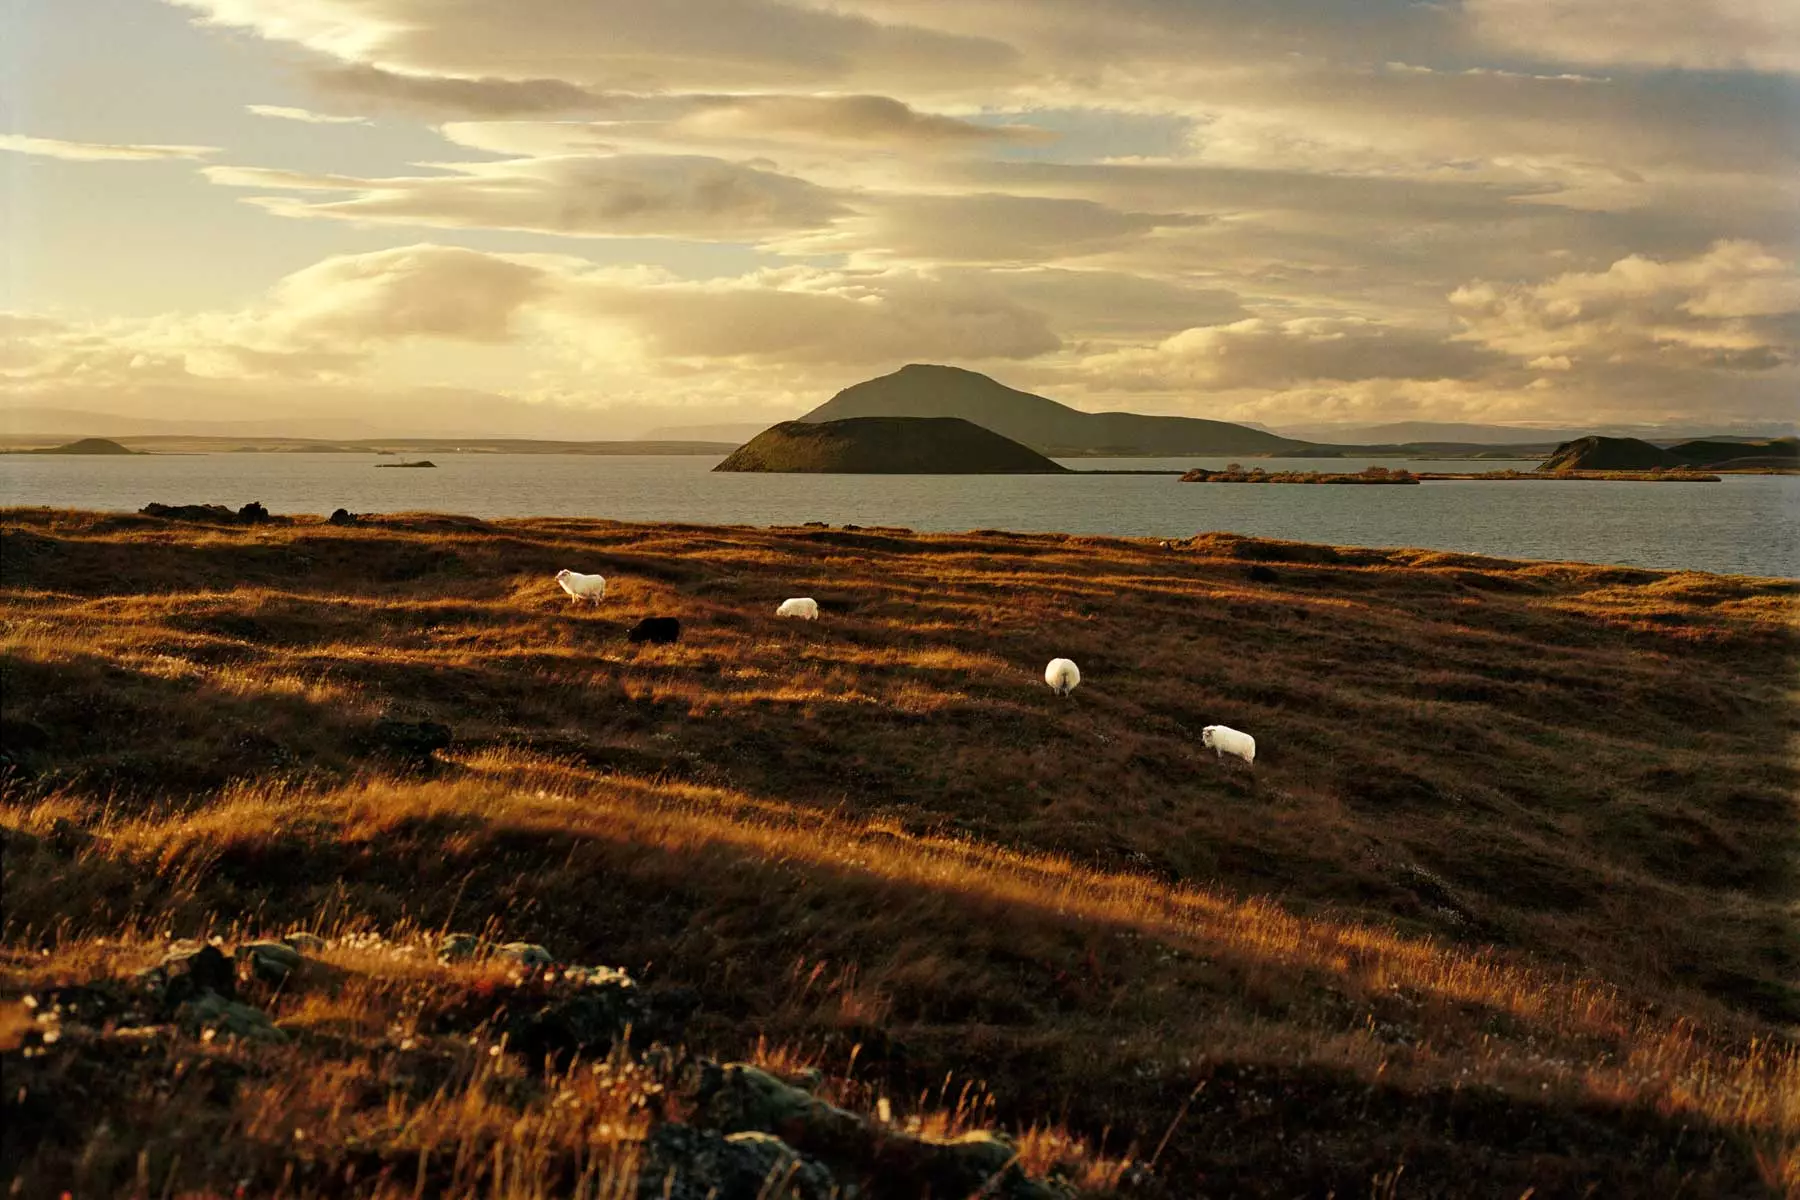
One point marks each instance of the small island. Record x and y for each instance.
(423, 462)
(1236, 474)
(92, 445)
(888, 446)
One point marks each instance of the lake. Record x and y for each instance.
(1747, 524)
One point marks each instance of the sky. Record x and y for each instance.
(590, 218)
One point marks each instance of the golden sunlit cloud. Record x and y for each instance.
(98, 151)
(284, 113)
(1289, 212)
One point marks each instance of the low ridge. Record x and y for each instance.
(887, 446)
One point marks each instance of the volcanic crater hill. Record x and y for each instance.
(927, 390)
(1507, 902)
(887, 446)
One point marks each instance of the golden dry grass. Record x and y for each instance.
(1508, 897)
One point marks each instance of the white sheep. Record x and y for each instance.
(1062, 676)
(582, 587)
(1223, 740)
(804, 607)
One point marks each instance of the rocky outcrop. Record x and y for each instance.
(252, 513)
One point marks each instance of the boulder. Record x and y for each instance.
(190, 970)
(342, 516)
(301, 940)
(587, 1023)
(457, 947)
(683, 1163)
(741, 1098)
(526, 954)
(214, 1012)
(269, 962)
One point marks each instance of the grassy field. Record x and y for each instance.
(1507, 905)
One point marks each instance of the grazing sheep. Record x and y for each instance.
(1062, 676)
(1223, 740)
(581, 587)
(658, 631)
(804, 607)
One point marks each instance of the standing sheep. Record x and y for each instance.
(803, 607)
(582, 587)
(1062, 676)
(1223, 740)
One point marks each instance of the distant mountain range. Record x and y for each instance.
(920, 390)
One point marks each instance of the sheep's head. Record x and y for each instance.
(1206, 735)
(564, 573)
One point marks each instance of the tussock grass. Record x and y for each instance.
(1510, 891)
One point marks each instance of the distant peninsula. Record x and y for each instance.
(888, 446)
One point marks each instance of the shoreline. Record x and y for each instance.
(418, 519)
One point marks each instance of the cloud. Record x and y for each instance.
(626, 195)
(1261, 353)
(1735, 307)
(802, 316)
(282, 113)
(854, 119)
(1762, 35)
(673, 45)
(331, 320)
(99, 151)
(984, 227)
(480, 97)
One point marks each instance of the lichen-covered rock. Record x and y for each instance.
(587, 1023)
(269, 962)
(458, 947)
(188, 971)
(303, 941)
(526, 954)
(741, 1098)
(214, 1012)
(682, 1163)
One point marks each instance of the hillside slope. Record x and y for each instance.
(922, 390)
(887, 446)
(1596, 453)
(1506, 903)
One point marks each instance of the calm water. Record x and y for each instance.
(1746, 524)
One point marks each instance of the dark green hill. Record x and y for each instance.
(1597, 453)
(887, 446)
(88, 446)
(920, 390)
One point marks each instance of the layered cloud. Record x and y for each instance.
(98, 151)
(1288, 211)
(619, 195)
(304, 115)
(1735, 307)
